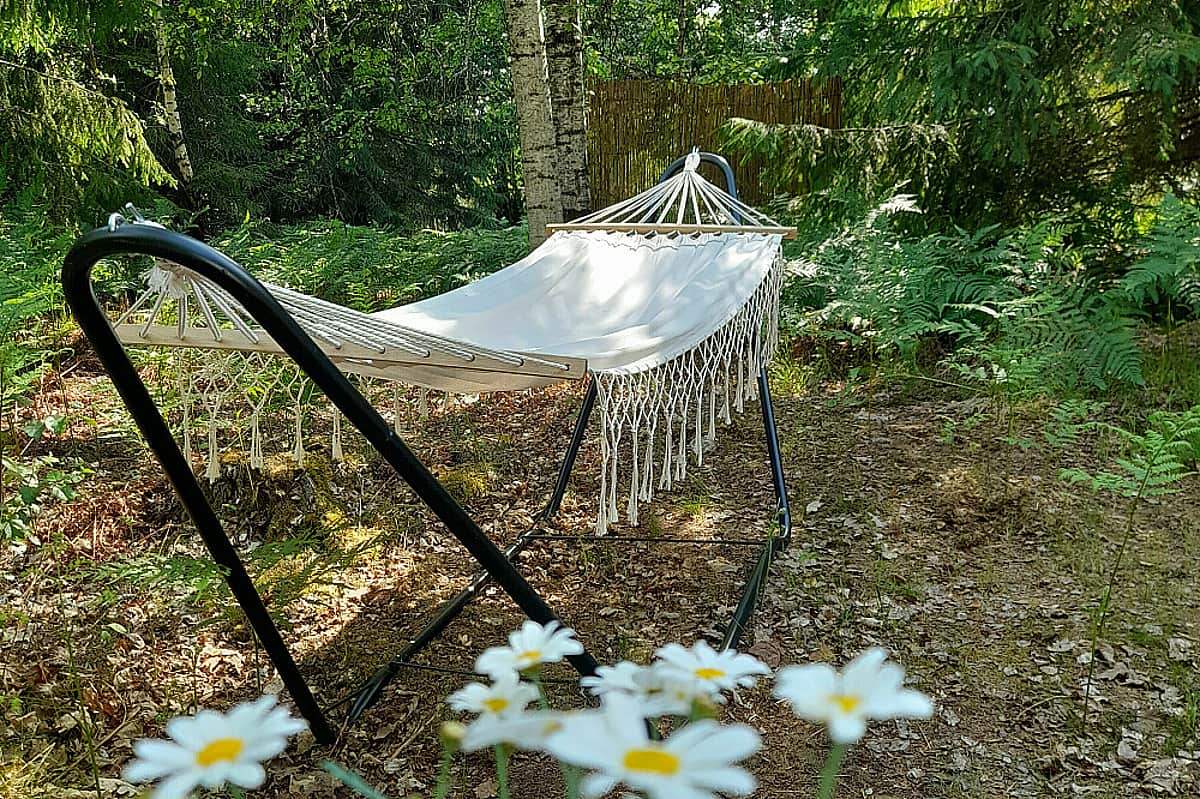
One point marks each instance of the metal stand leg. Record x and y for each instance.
(783, 518)
(370, 692)
(568, 463)
(258, 302)
(158, 436)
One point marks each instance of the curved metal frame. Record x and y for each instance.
(145, 239)
(708, 158)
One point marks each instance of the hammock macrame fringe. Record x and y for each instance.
(651, 421)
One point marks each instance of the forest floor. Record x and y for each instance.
(926, 523)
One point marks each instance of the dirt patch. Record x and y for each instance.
(920, 526)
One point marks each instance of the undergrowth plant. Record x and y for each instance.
(1154, 463)
(1028, 310)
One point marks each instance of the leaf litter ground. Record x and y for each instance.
(917, 528)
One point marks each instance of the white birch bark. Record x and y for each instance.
(166, 77)
(568, 94)
(535, 119)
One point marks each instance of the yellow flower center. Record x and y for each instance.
(709, 673)
(653, 761)
(218, 750)
(846, 702)
(531, 656)
(495, 704)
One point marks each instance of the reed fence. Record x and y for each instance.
(636, 128)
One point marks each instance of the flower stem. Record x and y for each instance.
(236, 792)
(543, 701)
(351, 780)
(829, 774)
(502, 771)
(443, 783)
(570, 780)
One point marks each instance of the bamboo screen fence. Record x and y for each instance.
(636, 128)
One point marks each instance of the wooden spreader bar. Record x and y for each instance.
(664, 228)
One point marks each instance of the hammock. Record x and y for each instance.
(668, 299)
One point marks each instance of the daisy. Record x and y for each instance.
(694, 763)
(521, 730)
(868, 688)
(506, 696)
(722, 671)
(670, 692)
(528, 648)
(621, 677)
(211, 748)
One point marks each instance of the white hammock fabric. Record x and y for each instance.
(673, 327)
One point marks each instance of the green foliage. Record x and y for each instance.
(367, 268)
(688, 40)
(1156, 460)
(994, 111)
(1014, 306)
(392, 113)
(1170, 268)
(27, 485)
(64, 131)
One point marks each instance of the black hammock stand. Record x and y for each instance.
(143, 238)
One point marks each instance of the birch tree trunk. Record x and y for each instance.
(166, 77)
(568, 94)
(535, 119)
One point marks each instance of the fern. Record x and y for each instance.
(1015, 307)
(1168, 271)
(1158, 459)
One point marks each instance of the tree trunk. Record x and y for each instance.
(166, 77)
(535, 119)
(568, 94)
(681, 26)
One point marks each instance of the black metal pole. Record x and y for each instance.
(778, 539)
(369, 693)
(261, 306)
(77, 288)
(568, 463)
(783, 510)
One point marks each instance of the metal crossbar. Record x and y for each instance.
(495, 564)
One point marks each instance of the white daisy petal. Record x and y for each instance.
(619, 677)
(595, 785)
(176, 787)
(691, 764)
(210, 749)
(721, 745)
(806, 688)
(870, 687)
(263, 748)
(156, 758)
(507, 695)
(904, 704)
(585, 740)
(862, 673)
(250, 714)
(496, 662)
(730, 780)
(718, 671)
(844, 729)
(247, 775)
(280, 722)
